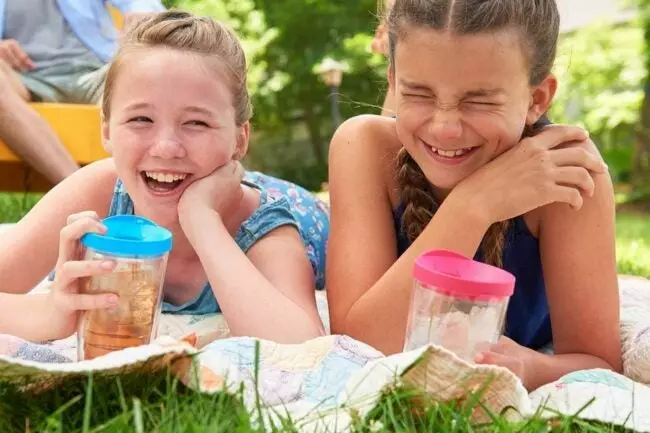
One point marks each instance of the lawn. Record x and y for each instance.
(633, 244)
(160, 404)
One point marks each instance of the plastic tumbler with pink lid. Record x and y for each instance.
(457, 303)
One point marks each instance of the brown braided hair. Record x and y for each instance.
(538, 21)
(419, 206)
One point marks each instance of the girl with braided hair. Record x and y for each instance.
(471, 164)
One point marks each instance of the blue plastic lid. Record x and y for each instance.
(130, 236)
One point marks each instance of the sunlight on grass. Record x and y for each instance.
(633, 244)
(13, 206)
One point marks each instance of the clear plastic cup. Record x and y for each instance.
(457, 303)
(140, 249)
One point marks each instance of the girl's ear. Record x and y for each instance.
(106, 136)
(541, 98)
(241, 148)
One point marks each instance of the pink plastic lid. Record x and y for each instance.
(457, 275)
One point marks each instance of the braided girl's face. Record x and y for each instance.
(461, 100)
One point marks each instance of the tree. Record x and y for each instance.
(284, 40)
(600, 71)
(309, 31)
(641, 173)
(248, 23)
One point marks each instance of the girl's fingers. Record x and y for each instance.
(72, 270)
(86, 214)
(73, 232)
(83, 302)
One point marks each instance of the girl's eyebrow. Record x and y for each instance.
(485, 92)
(414, 86)
(199, 110)
(138, 106)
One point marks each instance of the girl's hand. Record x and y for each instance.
(553, 166)
(219, 190)
(66, 300)
(506, 353)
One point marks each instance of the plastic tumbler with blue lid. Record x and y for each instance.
(140, 249)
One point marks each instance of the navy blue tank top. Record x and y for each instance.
(527, 319)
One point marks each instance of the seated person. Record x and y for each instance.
(54, 51)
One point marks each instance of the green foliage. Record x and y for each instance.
(641, 178)
(296, 116)
(249, 24)
(600, 69)
(284, 40)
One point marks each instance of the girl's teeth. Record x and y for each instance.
(165, 177)
(450, 153)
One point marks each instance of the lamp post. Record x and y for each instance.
(331, 72)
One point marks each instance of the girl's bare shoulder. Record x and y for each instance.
(372, 134)
(369, 144)
(89, 188)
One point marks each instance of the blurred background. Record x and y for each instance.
(602, 66)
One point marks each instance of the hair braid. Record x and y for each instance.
(416, 195)
(420, 206)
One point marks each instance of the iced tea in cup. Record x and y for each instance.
(457, 303)
(140, 249)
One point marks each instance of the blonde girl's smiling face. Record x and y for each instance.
(171, 122)
(462, 100)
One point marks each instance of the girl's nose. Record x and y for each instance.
(446, 124)
(167, 146)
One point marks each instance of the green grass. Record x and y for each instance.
(633, 244)
(135, 402)
(14, 206)
(158, 403)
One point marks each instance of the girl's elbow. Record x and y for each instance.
(615, 361)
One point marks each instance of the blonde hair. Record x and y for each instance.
(186, 32)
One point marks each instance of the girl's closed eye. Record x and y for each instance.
(481, 104)
(416, 95)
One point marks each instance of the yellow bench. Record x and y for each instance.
(77, 126)
(79, 129)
